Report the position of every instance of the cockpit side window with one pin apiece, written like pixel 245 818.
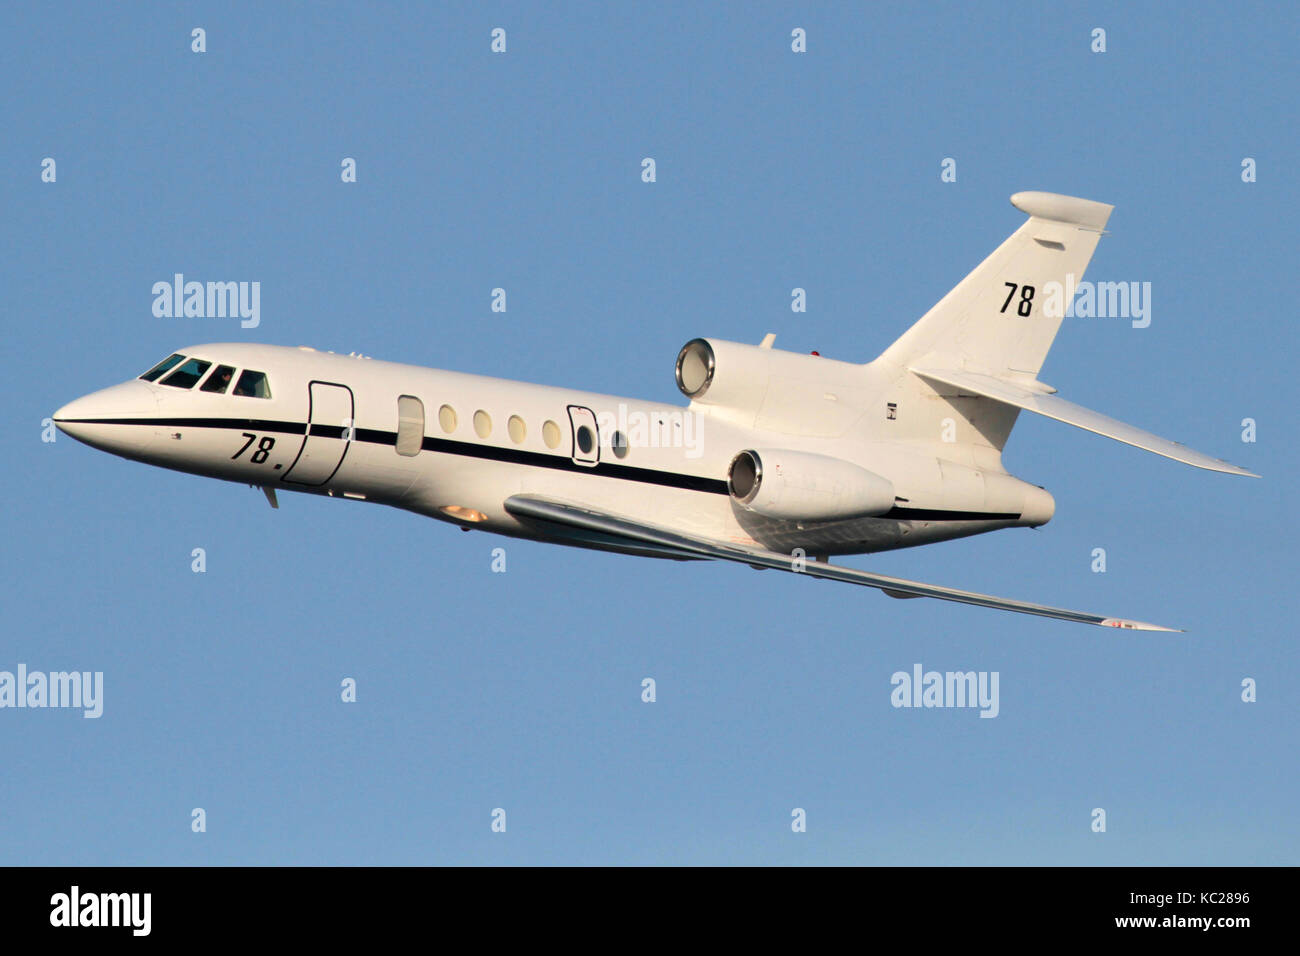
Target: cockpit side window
pixel 187 374
pixel 253 384
pixel 219 380
pixel 163 366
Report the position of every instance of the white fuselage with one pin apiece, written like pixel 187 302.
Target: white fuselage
pixel 454 447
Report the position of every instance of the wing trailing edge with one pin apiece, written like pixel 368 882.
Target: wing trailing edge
pixel 549 510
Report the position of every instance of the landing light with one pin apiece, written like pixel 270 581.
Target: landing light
pixel 463 514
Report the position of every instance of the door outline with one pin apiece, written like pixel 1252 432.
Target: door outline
pixel 346 433
pixel 580 415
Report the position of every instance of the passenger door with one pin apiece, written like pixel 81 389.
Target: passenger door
pixel 329 433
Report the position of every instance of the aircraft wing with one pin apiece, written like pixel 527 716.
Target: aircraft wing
pixel 1051 406
pixel 549 510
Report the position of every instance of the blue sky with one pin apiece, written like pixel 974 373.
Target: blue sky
pixel 522 690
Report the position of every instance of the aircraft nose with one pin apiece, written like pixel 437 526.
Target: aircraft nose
pixel 121 419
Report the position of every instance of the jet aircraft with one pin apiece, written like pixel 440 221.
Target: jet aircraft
pixel 780 460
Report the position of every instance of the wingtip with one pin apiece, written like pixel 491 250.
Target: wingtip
pixel 1127 625
pixel 1229 468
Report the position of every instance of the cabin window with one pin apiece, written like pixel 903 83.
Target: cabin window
pixel 551 434
pixel 447 418
pixel 187 374
pixel 252 385
pixel 165 365
pixel 482 424
pixel 586 440
pixel 518 430
pixel 618 441
pixel 410 425
pixel 219 380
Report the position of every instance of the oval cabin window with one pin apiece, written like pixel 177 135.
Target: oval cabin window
pixel 518 430
pixel 447 418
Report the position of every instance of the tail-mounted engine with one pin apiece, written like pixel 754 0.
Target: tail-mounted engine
pixel 769 388
pixel 801 486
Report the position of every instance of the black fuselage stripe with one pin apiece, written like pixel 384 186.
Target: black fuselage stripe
pixel 517 456
pixel 929 514
pixel 259 424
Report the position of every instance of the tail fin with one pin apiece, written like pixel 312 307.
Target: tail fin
pixel 997 320
pixel 979 350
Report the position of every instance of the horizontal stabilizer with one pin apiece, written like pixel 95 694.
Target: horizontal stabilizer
pixel 1051 406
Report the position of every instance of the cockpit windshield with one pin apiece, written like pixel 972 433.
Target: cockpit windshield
pixel 253 384
pixel 163 366
pixel 219 380
pixel 187 374
pixel 180 372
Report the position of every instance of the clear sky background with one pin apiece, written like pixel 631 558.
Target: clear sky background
pixel 522 690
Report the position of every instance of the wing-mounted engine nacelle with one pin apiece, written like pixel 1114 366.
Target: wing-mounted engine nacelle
pixel 801 486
